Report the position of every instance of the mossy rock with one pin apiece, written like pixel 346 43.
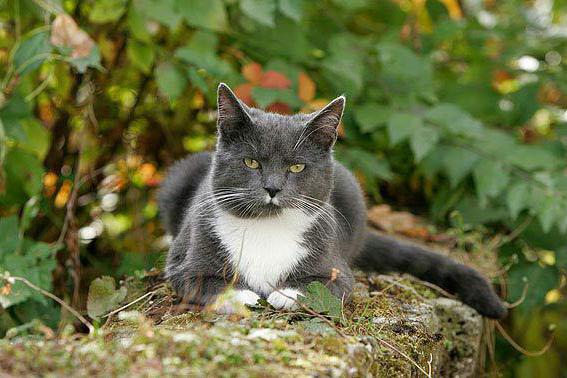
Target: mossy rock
pixel 393 326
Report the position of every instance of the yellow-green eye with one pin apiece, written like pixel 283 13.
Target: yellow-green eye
pixel 251 163
pixel 296 168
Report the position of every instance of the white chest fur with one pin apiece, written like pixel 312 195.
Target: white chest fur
pixel 263 251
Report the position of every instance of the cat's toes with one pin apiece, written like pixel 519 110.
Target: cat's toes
pixel 235 302
pixel 284 298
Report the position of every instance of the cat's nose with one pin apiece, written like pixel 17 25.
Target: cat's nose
pixel 272 191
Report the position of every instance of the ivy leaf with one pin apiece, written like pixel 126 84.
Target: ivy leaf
pixel 517 198
pixel 490 178
pixel 320 299
pixel 141 55
pixel 206 14
pixel 402 125
pixel 261 11
pixel 371 116
pixel 423 140
pixel 170 80
pixel 104 297
pixel 291 8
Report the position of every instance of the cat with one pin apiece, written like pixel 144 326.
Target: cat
pixel 271 211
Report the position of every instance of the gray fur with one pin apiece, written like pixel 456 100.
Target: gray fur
pixel 197 263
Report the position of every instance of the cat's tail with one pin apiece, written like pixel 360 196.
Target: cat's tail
pixel 386 254
pixel 176 191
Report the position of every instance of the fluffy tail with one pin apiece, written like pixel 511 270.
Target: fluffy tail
pixel 385 254
pixel 178 188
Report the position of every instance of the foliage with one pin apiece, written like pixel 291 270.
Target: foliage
pixel 452 107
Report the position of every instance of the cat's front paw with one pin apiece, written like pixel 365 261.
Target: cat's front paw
pixel 235 302
pixel 284 299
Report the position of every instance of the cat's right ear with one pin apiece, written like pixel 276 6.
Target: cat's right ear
pixel 232 115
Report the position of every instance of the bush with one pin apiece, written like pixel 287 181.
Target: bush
pixel 457 109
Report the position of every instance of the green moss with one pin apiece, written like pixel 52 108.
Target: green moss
pixel 155 338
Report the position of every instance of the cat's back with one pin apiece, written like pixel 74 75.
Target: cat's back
pixel 180 186
pixel 348 200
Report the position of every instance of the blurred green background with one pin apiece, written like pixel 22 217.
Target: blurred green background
pixel 457 110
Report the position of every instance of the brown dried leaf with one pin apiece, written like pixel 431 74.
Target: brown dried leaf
pixel 252 72
pixel 306 88
pixel 400 222
pixel 66 33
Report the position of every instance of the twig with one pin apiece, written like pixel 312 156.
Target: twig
pixel 391 347
pixel 56 299
pixel 519 348
pixel 151 293
pixel 522 297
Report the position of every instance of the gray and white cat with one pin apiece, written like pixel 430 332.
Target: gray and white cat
pixel 271 211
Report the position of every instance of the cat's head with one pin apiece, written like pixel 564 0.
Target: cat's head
pixel 267 162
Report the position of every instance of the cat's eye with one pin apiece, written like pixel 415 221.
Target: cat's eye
pixel 251 163
pixel 296 168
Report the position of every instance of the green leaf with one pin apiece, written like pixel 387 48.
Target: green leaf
pixel 207 14
pixel 37 137
pixel 162 11
pixel 36 263
pixel 291 8
pixel 23 175
pixel 533 157
pixel 547 212
pixel 170 80
pixel 320 299
pixel 137 24
pixel 200 51
pixel 8 236
pixel 104 297
pixel 261 11
pixel 458 162
pixel 490 178
pixel 404 72
pixel 344 67
pixel 402 125
pixel 32 51
pixel 454 120
pixel 423 140
pixel 141 55
pixel 31 208
pixel 267 96
pixel 517 198
pixel 371 116
pixel 370 165
pixel 107 11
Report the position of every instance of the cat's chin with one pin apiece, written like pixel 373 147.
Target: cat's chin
pixel 264 211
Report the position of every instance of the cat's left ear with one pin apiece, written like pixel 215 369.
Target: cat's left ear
pixel 323 127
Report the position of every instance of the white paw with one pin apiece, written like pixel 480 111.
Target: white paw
pixel 235 301
pixel 284 298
